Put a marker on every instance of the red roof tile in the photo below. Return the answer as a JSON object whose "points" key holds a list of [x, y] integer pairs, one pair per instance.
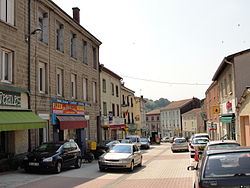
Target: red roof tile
{"points": [[177, 104], [153, 112]]}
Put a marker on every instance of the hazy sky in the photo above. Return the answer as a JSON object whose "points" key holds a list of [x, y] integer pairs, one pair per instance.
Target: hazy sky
{"points": [[159, 45]]}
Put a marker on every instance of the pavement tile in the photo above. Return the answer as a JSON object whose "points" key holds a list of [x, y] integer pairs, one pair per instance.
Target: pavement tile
{"points": [[186, 182]]}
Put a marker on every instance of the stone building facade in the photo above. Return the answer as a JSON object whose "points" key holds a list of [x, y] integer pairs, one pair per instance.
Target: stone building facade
{"points": [[64, 80]]}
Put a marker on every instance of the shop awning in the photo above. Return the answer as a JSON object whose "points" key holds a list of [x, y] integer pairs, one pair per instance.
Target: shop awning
{"points": [[72, 122], [20, 120], [113, 127], [226, 119]]}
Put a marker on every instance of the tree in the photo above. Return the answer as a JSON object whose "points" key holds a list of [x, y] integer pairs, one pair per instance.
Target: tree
{"points": [[160, 103]]}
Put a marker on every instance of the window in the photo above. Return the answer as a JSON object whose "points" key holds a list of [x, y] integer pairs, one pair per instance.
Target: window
{"points": [[230, 82], [131, 102], [94, 58], [6, 61], [112, 89], [59, 37], [225, 84], [103, 85], [85, 89], [59, 82], [104, 108], [73, 86], [73, 45], [123, 99], [132, 114], [94, 92], [128, 100], [43, 24], [117, 91], [7, 8], [113, 109], [85, 51], [146, 118], [118, 110], [42, 77], [152, 118]]}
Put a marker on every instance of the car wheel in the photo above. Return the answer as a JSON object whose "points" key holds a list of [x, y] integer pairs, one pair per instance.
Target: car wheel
{"points": [[131, 166], [58, 167], [27, 169], [173, 151], [101, 169], [140, 164], [78, 163]]}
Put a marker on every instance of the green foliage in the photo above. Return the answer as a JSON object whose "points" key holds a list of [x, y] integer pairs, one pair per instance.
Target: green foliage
{"points": [[160, 103]]}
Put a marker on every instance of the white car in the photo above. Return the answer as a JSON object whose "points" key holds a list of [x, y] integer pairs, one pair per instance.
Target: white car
{"points": [[197, 144]]}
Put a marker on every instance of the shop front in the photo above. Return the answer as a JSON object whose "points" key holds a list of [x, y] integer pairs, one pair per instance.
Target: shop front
{"points": [[15, 121], [114, 128], [227, 120], [69, 122]]}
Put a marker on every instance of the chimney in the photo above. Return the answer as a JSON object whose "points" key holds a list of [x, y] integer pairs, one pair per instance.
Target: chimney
{"points": [[76, 14]]}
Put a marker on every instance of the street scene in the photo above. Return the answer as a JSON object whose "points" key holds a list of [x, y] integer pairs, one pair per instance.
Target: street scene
{"points": [[160, 168], [128, 93]]}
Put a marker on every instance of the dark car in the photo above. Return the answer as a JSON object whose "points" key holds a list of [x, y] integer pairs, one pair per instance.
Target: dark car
{"points": [[53, 157], [145, 143], [223, 167]]}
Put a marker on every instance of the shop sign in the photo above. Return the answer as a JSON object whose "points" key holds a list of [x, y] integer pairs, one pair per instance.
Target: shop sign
{"points": [[67, 107], [229, 106], [8, 98], [213, 126], [216, 109]]}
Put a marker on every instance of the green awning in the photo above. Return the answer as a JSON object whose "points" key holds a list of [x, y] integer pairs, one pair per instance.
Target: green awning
{"points": [[20, 120], [226, 119]]}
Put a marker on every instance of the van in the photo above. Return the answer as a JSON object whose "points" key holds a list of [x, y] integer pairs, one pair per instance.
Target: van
{"points": [[135, 139]]}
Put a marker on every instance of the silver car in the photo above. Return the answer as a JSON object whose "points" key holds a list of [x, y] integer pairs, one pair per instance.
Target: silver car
{"points": [[121, 156], [179, 144]]}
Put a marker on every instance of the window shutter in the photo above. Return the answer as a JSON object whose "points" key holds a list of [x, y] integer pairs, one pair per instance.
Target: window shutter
{"points": [[74, 46], [3, 10], [61, 39], [45, 29], [10, 11], [10, 66]]}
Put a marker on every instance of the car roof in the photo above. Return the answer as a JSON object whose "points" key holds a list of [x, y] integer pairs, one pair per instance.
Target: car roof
{"points": [[198, 134], [180, 138], [215, 142], [228, 150], [125, 144]]}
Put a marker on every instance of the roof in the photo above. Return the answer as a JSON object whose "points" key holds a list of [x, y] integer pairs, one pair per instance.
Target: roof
{"points": [[193, 111], [104, 69], [177, 104], [154, 112], [51, 1], [227, 60]]}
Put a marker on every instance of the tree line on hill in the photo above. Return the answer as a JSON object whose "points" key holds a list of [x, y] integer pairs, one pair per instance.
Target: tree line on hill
{"points": [[152, 105]]}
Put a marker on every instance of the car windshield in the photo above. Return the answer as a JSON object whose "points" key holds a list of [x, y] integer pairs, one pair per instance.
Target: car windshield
{"points": [[133, 139], [228, 165], [48, 147], [121, 149], [200, 141], [223, 145], [199, 136], [144, 140], [180, 140]]}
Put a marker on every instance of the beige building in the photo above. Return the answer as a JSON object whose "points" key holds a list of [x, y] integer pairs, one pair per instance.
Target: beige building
{"points": [[140, 116], [16, 118], [112, 121], [153, 124], [192, 122], [128, 110], [243, 111]]}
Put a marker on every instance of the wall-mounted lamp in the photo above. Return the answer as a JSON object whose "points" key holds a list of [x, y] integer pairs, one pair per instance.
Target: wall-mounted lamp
{"points": [[37, 30]]}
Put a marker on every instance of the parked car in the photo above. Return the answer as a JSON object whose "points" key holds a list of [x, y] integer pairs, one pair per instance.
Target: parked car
{"points": [[199, 135], [123, 141], [165, 139], [135, 139], [111, 144], [221, 144], [197, 144], [180, 144], [53, 157], [121, 156], [223, 167], [145, 143]]}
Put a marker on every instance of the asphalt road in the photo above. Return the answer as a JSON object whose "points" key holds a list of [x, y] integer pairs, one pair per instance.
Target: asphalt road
{"points": [[161, 168]]}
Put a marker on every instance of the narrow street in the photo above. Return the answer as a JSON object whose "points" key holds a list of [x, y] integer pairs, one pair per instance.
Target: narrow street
{"points": [[161, 168]]}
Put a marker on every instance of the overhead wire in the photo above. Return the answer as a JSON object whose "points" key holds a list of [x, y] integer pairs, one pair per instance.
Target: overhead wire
{"points": [[165, 82]]}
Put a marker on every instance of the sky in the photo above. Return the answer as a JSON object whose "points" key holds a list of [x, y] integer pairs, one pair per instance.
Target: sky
{"points": [[165, 48]]}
